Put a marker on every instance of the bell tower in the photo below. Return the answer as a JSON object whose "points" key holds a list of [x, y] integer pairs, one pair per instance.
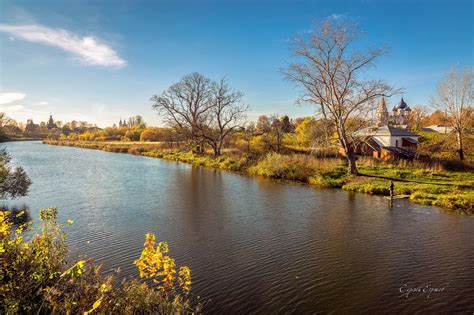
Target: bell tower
{"points": [[381, 115]]}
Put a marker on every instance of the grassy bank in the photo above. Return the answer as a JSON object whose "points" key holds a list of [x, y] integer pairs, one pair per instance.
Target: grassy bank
{"points": [[429, 184], [453, 190]]}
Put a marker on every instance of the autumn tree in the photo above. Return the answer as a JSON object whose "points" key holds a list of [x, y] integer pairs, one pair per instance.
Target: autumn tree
{"points": [[287, 125], [314, 133], [204, 110], [227, 113], [187, 105], [4, 120], [332, 74], [271, 130], [136, 121], [455, 95], [438, 117], [304, 131], [277, 131], [249, 132], [263, 124], [417, 117]]}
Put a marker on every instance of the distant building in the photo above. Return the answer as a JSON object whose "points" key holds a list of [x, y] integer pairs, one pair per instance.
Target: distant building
{"points": [[381, 115], [31, 126], [437, 128], [387, 141], [389, 136], [400, 114], [398, 117], [122, 123], [51, 125]]}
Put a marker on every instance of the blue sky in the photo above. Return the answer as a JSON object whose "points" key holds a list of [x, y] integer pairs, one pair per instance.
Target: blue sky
{"points": [[102, 60]]}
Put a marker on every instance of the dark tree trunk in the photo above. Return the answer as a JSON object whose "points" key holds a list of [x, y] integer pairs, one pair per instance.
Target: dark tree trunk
{"points": [[350, 154], [217, 150], [351, 158], [216, 147]]}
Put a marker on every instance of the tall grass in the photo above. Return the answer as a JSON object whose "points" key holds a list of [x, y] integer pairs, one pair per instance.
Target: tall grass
{"points": [[302, 168], [433, 166]]}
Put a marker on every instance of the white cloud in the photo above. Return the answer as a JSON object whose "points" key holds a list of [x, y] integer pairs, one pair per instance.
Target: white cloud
{"points": [[9, 97], [88, 48], [42, 103]]}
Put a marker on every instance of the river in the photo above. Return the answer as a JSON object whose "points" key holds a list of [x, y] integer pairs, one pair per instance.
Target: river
{"points": [[255, 245]]}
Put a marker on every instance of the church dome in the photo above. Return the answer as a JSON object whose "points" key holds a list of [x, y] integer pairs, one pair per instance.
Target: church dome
{"points": [[402, 105]]}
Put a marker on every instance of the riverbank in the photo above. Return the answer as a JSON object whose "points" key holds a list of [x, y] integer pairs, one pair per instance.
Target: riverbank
{"points": [[10, 139], [424, 184]]}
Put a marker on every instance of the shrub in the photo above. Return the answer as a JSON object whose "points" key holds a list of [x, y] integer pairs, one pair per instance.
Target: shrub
{"points": [[155, 134], [132, 135], [296, 167], [34, 277]]}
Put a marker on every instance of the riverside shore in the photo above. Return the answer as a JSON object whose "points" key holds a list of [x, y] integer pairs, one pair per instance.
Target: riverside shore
{"points": [[450, 190]]}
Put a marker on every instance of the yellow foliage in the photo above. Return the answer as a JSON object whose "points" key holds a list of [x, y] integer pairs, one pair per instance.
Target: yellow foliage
{"points": [[39, 262], [76, 270], [184, 278], [94, 306], [156, 265], [5, 225]]}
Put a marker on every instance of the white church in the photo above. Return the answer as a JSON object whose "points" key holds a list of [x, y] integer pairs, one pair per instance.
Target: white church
{"points": [[389, 136], [398, 117]]}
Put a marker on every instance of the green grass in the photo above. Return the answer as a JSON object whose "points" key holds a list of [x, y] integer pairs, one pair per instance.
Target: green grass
{"points": [[461, 201], [446, 189]]}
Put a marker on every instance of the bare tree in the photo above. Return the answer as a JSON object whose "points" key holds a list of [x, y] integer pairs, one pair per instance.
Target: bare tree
{"points": [[331, 75], [321, 131], [277, 131], [249, 132], [455, 95], [205, 111], [4, 120], [187, 105], [226, 115], [416, 117], [263, 124]]}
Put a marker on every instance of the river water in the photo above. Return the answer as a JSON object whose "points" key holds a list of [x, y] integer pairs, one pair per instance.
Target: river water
{"points": [[255, 245]]}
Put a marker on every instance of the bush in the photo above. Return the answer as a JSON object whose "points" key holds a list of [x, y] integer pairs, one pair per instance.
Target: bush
{"points": [[35, 277], [298, 167]]}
